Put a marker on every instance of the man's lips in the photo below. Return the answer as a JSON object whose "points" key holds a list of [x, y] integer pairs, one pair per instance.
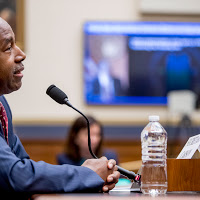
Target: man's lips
{"points": [[18, 71]]}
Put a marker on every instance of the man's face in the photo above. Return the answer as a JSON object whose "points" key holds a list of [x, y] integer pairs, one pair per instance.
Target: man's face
{"points": [[11, 58]]}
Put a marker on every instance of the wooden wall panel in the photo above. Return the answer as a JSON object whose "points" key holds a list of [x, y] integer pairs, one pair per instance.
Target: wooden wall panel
{"points": [[47, 150], [127, 151]]}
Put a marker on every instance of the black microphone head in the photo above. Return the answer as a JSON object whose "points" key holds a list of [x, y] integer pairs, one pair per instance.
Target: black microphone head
{"points": [[56, 94]]}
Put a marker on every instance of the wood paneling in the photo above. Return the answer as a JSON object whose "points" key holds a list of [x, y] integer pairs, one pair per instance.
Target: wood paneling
{"points": [[47, 150], [127, 150], [183, 174]]}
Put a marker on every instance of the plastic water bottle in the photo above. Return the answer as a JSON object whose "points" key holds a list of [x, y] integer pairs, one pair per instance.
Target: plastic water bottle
{"points": [[154, 154]]}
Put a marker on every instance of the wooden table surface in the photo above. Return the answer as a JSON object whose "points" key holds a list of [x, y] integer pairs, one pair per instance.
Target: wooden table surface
{"points": [[119, 196]]}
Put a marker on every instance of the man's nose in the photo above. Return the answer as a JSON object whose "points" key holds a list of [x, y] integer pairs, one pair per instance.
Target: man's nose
{"points": [[20, 55]]}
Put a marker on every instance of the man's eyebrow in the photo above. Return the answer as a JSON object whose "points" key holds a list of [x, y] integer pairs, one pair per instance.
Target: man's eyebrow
{"points": [[6, 41]]}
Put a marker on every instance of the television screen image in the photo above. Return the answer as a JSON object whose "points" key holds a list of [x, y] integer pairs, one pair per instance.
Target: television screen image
{"points": [[138, 63]]}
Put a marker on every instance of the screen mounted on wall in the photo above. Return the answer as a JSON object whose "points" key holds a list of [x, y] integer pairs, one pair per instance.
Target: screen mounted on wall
{"points": [[138, 63]]}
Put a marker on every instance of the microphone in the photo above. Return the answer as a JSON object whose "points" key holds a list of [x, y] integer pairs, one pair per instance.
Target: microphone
{"points": [[60, 97]]}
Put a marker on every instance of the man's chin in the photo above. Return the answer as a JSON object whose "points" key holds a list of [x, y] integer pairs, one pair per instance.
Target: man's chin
{"points": [[17, 87], [13, 89]]}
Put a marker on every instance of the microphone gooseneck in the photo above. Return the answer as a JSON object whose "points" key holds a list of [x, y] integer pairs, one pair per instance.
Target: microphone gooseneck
{"points": [[88, 127], [60, 97]]}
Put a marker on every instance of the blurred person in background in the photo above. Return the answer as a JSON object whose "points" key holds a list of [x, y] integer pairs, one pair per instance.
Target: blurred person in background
{"points": [[76, 149]]}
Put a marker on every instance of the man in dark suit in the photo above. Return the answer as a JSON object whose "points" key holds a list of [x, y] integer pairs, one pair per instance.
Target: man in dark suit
{"points": [[18, 173]]}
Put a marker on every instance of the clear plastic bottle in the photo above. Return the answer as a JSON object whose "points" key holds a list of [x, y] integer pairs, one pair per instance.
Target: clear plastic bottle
{"points": [[154, 154]]}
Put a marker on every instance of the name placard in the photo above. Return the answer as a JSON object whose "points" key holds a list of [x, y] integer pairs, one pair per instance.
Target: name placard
{"points": [[190, 148]]}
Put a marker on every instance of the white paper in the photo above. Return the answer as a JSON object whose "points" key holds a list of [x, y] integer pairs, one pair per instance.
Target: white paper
{"points": [[190, 147]]}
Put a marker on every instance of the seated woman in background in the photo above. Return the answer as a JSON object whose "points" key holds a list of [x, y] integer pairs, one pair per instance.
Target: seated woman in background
{"points": [[76, 148]]}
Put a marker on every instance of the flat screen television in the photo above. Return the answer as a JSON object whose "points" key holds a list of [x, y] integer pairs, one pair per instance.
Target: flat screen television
{"points": [[138, 63]]}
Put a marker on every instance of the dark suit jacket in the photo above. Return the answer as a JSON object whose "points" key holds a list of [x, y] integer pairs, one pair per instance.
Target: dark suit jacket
{"points": [[21, 174]]}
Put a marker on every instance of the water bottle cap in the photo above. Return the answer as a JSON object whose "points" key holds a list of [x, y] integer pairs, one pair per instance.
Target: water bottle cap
{"points": [[154, 118]]}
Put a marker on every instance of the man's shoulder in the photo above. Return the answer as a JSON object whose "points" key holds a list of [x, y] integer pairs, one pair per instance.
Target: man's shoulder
{"points": [[2, 99]]}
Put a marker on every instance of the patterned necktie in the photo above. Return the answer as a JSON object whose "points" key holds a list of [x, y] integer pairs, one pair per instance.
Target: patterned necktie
{"points": [[4, 121]]}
